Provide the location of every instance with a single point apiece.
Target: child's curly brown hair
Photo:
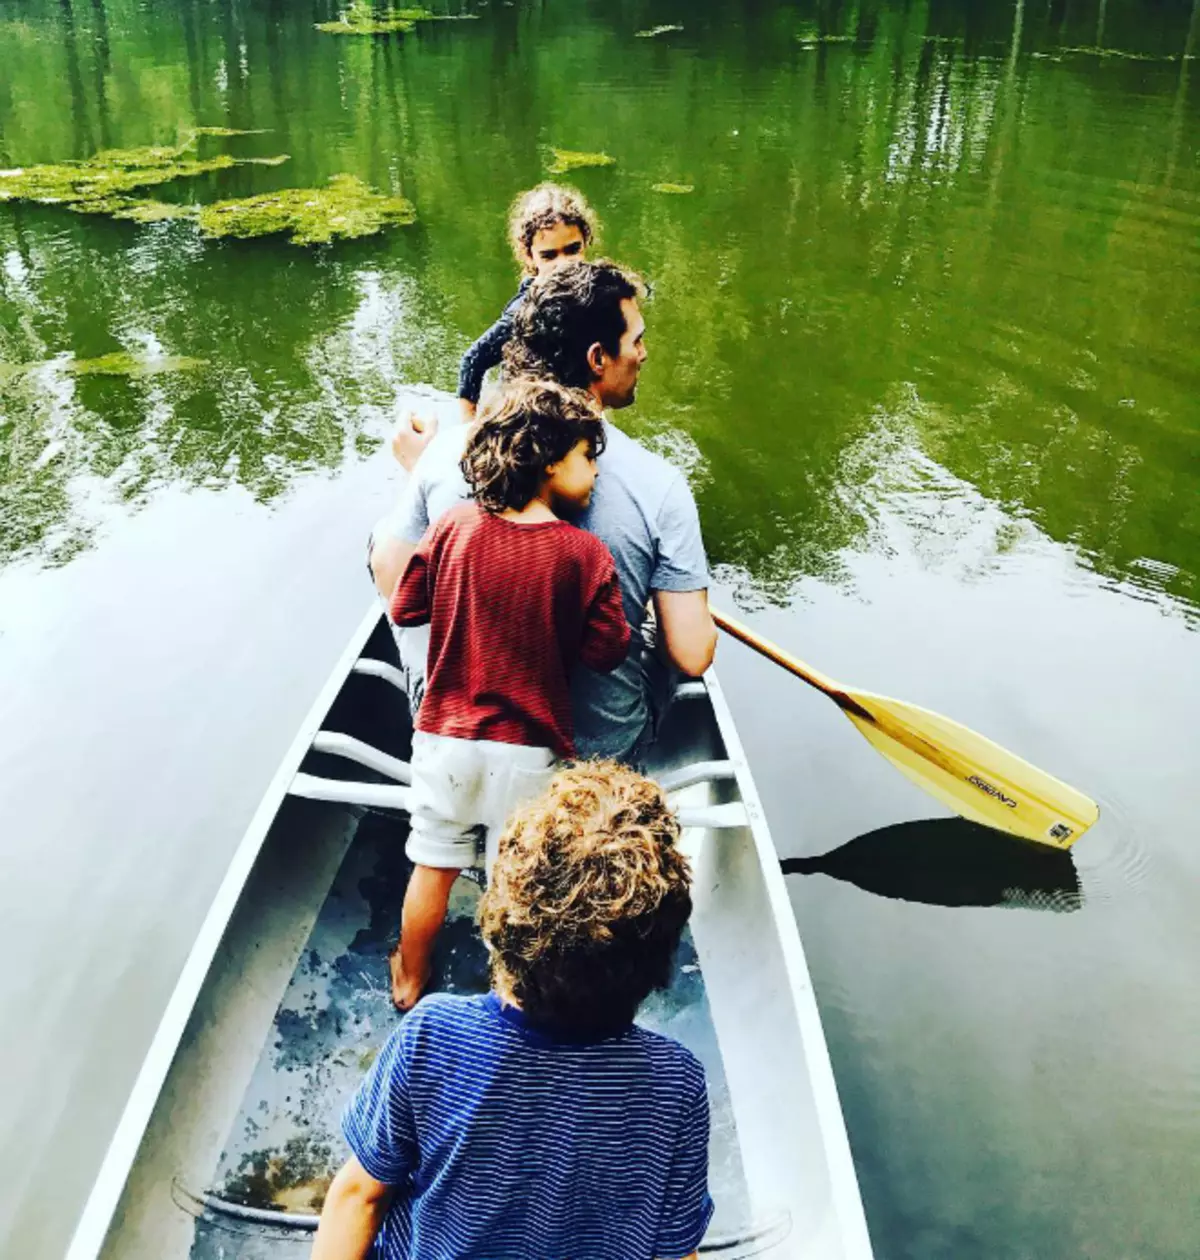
(523, 429)
(543, 207)
(588, 898)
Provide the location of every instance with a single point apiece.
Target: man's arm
(390, 549)
(354, 1210)
(679, 582)
(389, 559)
(412, 603)
(686, 633)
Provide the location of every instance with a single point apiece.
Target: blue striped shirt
(507, 1143)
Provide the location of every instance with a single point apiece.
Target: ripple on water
(1114, 858)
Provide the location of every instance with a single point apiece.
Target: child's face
(555, 245)
(570, 481)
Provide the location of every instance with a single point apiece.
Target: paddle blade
(971, 775)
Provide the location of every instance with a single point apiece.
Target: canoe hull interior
(295, 1004)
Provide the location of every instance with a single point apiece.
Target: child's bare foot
(406, 989)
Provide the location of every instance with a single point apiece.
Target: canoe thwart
(393, 796)
(715, 817)
(377, 795)
(697, 772)
(338, 745)
(381, 669)
(693, 689)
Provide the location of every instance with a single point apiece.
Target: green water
(924, 335)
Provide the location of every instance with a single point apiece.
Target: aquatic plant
(344, 209)
(810, 38)
(122, 363)
(1090, 50)
(118, 363)
(101, 183)
(657, 30)
(676, 189)
(361, 19)
(92, 185)
(564, 160)
(149, 211)
(228, 131)
(367, 26)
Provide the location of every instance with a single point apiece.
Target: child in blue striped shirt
(539, 1121)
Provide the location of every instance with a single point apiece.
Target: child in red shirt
(515, 598)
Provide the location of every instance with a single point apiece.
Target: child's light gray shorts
(463, 791)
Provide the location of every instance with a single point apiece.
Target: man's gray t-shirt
(643, 511)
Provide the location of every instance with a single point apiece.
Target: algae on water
(361, 19)
(564, 160)
(106, 183)
(228, 131)
(657, 30)
(118, 363)
(88, 185)
(675, 189)
(811, 38)
(1090, 50)
(367, 26)
(344, 209)
(102, 183)
(150, 211)
(122, 363)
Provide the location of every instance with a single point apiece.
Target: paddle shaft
(814, 677)
(835, 691)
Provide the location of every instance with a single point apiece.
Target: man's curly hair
(524, 428)
(588, 898)
(542, 207)
(563, 314)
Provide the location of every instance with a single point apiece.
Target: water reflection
(929, 209)
(950, 862)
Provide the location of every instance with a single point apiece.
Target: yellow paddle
(969, 774)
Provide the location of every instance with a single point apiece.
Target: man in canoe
(580, 325)
(538, 1120)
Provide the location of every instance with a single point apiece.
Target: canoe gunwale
(96, 1217)
(847, 1206)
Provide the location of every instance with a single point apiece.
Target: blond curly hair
(543, 207)
(588, 898)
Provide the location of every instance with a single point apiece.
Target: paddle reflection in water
(950, 862)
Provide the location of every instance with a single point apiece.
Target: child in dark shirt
(515, 598)
(548, 225)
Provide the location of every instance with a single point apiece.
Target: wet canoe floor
(335, 1015)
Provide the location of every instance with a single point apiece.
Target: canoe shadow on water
(951, 862)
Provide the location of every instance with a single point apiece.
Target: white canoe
(230, 1134)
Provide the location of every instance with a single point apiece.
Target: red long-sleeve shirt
(512, 609)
